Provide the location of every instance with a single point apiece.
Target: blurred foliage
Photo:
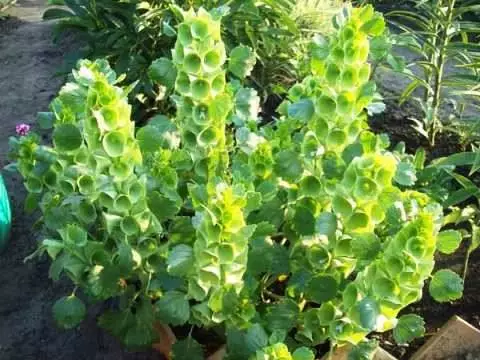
(442, 36)
(4, 5)
(131, 34)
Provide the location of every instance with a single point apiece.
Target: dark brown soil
(395, 122)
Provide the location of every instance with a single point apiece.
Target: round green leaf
(241, 62)
(322, 288)
(303, 353)
(163, 72)
(448, 241)
(409, 327)
(67, 137)
(304, 221)
(302, 110)
(446, 286)
(326, 314)
(180, 260)
(368, 310)
(173, 308)
(69, 312)
(326, 224)
(187, 349)
(350, 295)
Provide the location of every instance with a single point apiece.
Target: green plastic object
(5, 215)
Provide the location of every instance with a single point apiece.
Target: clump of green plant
(442, 37)
(287, 235)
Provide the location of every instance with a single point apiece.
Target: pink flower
(22, 129)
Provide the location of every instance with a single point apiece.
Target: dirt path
(28, 63)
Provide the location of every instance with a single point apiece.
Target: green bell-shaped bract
(203, 104)
(220, 250)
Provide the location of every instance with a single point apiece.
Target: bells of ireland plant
(5, 215)
(283, 235)
(203, 102)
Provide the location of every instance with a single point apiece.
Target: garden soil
(28, 64)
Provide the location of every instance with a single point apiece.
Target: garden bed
(27, 330)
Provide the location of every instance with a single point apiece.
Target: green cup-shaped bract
(212, 60)
(208, 137)
(200, 29)
(337, 138)
(136, 191)
(50, 178)
(200, 89)
(185, 34)
(326, 105)
(342, 205)
(192, 63)
(218, 84)
(122, 204)
(310, 186)
(106, 200)
(121, 169)
(86, 184)
(183, 83)
(109, 118)
(34, 185)
(114, 143)
(67, 186)
(129, 226)
(87, 212)
(200, 114)
(358, 221)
